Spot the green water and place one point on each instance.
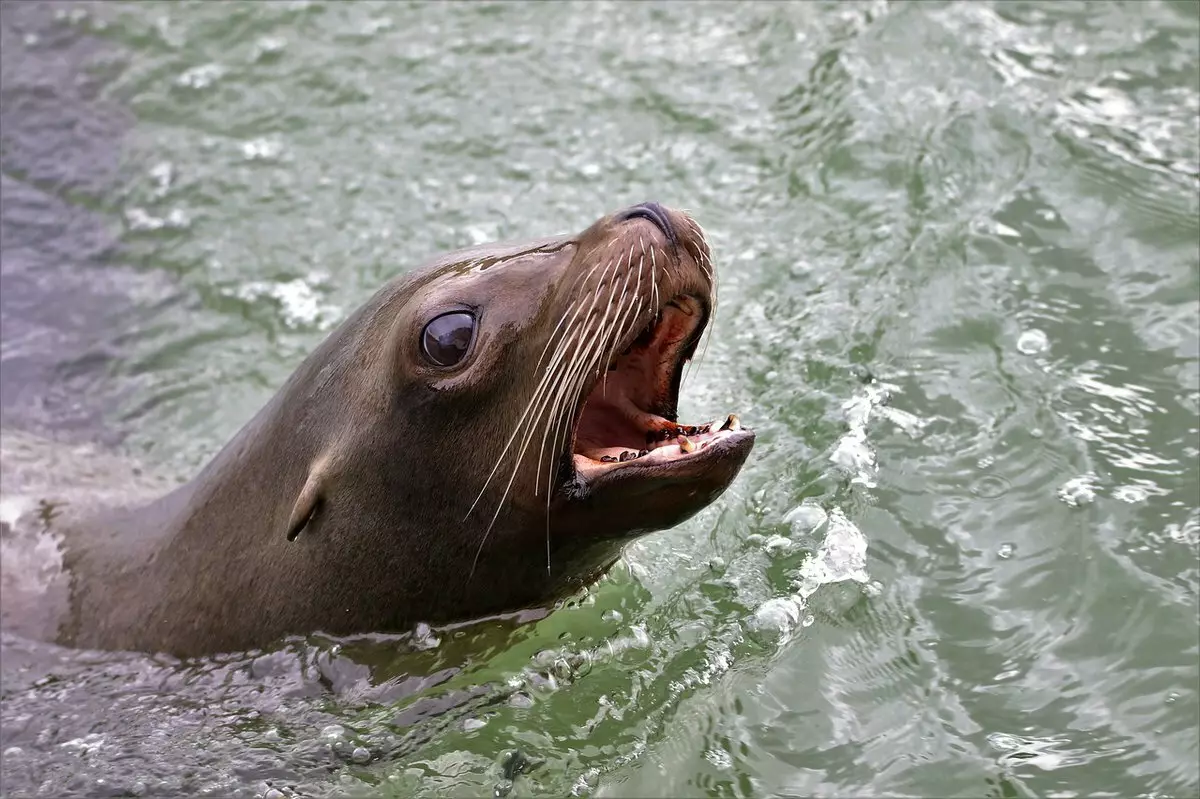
(959, 257)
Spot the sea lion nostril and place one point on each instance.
(656, 214)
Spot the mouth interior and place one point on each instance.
(630, 414)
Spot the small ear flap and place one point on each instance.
(306, 505)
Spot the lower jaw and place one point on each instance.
(669, 443)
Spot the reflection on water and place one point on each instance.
(960, 302)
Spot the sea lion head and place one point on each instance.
(497, 425)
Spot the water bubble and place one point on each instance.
(1005, 551)
(1033, 342)
(717, 564)
(162, 173)
(268, 47)
(776, 618)
(333, 732)
(1078, 491)
(1003, 741)
(139, 220)
(374, 26)
(262, 149)
(361, 755)
(805, 518)
(200, 77)
(777, 545)
(611, 616)
(423, 637)
(990, 486)
(520, 700)
(808, 620)
(1131, 493)
(719, 758)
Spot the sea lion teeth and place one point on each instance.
(685, 444)
(642, 452)
(732, 423)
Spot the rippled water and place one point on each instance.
(960, 300)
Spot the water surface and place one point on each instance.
(959, 253)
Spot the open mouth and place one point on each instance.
(629, 415)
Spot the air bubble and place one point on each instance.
(806, 518)
(200, 77)
(777, 545)
(334, 732)
(1078, 491)
(1033, 342)
(1005, 551)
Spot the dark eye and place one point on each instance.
(448, 337)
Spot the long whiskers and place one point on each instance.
(583, 341)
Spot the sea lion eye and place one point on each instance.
(447, 338)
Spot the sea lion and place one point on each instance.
(483, 435)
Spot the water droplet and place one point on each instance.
(1033, 342)
(1005, 551)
